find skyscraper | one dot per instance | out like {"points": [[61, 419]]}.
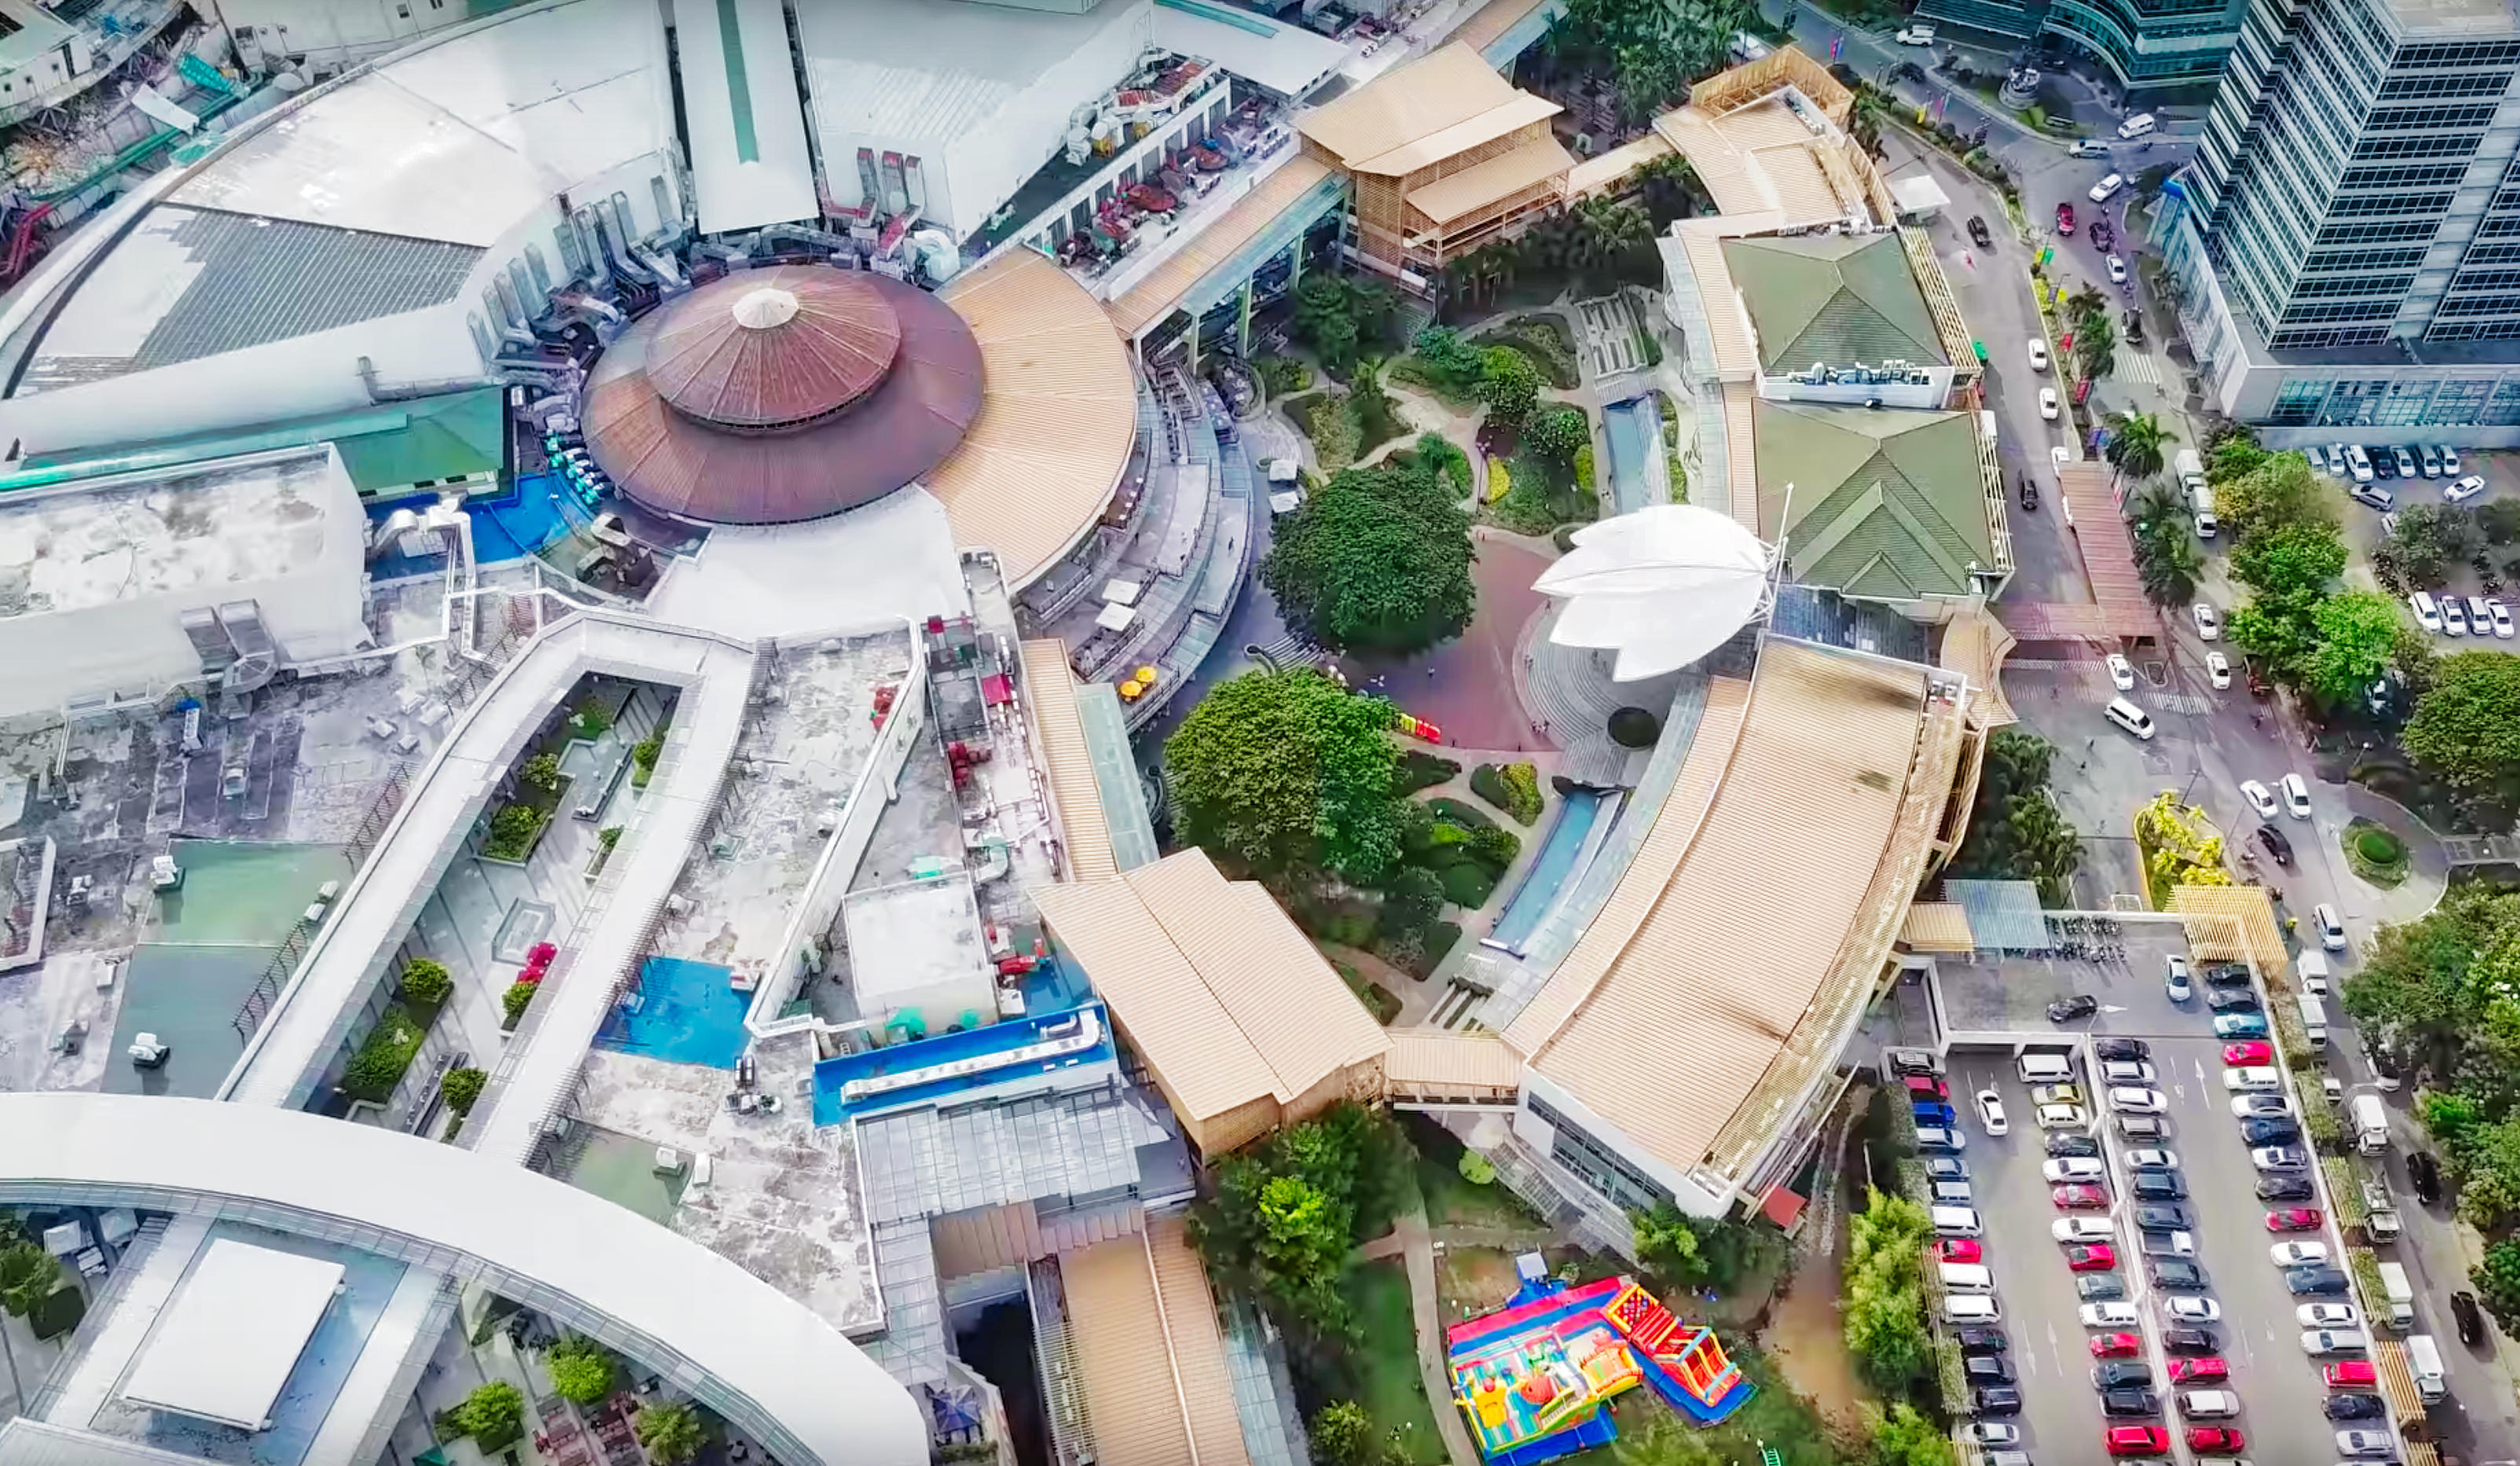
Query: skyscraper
{"points": [[2347, 243]]}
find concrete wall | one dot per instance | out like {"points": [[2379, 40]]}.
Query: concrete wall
{"points": [[330, 32], [1686, 1192]]}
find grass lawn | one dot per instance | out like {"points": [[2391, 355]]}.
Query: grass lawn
{"points": [[1385, 1359], [1650, 1433], [1452, 1201], [1377, 999]]}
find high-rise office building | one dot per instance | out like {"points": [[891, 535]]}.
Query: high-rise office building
{"points": [[2154, 49], [2347, 243]]}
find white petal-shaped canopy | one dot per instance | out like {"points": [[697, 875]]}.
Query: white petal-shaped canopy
{"points": [[1662, 587]]}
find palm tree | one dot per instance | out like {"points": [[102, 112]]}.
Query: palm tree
{"points": [[2165, 551], [2135, 443], [2095, 345], [1864, 124], [2085, 303]]}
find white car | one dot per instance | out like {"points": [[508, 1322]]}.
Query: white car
{"points": [[2062, 1117], [2121, 673], [2192, 1309], [2217, 670], [2463, 489], [2037, 355], [2135, 1101], [2329, 1316], [2117, 270], [2179, 989], [2259, 798], [2317, 1342], [2110, 1316], [2047, 403], [2296, 796], [2331, 927], [2295, 1254], [1988, 1433], [2151, 1158], [2101, 190], [2252, 1079], [2450, 460], [1989, 1111], [2454, 616], [2072, 1169], [2209, 622], [2083, 1229], [2260, 1105], [2132, 1070], [1914, 35], [2501, 616], [2427, 613], [2358, 462], [2139, 124]]}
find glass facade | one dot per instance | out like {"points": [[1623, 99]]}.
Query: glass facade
{"points": [[1602, 1168], [2326, 400]]}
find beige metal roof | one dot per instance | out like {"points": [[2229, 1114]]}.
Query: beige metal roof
{"points": [[1734, 953], [1289, 1003], [1760, 158], [1436, 1061], [1740, 453], [1142, 1328], [1937, 927], [1728, 324], [1491, 20], [1605, 170], [1974, 645], [1049, 688], [1059, 412], [1502, 176], [1153, 298], [2233, 924], [1441, 104], [1206, 1066], [1642, 885]]}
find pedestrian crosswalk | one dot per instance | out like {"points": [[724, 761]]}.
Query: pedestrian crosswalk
{"points": [[2137, 367]]}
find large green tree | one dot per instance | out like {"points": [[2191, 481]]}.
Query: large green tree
{"points": [[671, 1431], [1882, 1293], [1376, 562], [2356, 635], [1509, 384], [2281, 490], [2466, 728], [2015, 831], [1285, 1215], [1905, 1436], [2289, 559], [1287, 775], [28, 1275]]}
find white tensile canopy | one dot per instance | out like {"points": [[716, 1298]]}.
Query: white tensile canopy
{"points": [[1662, 588]]}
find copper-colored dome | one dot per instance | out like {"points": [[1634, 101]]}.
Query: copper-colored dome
{"points": [[781, 395], [768, 348]]}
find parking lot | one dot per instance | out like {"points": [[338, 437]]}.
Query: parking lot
{"points": [[2280, 1388]]}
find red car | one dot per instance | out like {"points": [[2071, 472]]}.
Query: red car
{"points": [[2120, 1347], [2220, 1437], [2065, 218], [1926, 1086], [2196, 1371], [2138, 1440], [2072, 1197], [2346, 1373], [2093, 1258], [1960, 1250], [2294, 1220], [2251, 1052]]}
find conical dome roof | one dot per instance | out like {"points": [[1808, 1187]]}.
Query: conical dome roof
{"points": [[774, 348]]}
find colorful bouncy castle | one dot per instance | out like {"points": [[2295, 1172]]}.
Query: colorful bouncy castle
{"points": [[1534, 1378]]}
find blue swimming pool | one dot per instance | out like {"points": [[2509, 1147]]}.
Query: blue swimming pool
{"points": [[687, 1013], [507, 528], [1546, 875], [1636, 434], [1062, 1036]]}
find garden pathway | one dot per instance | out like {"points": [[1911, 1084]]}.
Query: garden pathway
{"points": [[1410, 1238], [1415, 997]]}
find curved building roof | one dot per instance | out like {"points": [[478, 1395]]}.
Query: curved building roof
{"points": [[744, 1347], [783, 394], [1058, 414]]}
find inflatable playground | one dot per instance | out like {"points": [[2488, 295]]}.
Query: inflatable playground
{"points": [[1535, 1378]]}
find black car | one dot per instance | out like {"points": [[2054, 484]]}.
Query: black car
{"points": [[1913, 1061], [2425, 1172], [2157, 1186], [2471, 1323], [2354, 1408], [2275, 843], [2176, 1273], [2098, 1287], [2065, 1144], [2141, 1127], [2270, 1129], [2129, 1402], [2122, 1374], [2162, 1220], [1988, 1369], [2226, 975], [2313, 1281], [2285, 1189], [1996, 1400], [1983, 1342], [2232, 1000], [2133, 332], [2067, 1009], [2190, 1342], [2122, 1048], [1978, 232]]}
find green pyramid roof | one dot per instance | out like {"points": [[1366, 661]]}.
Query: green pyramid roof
{"points": [[1834, 299], [1885, 504]]}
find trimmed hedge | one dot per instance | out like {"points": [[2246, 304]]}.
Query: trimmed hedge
{"points": [[1513, 788], [1418, 770], [1467, 816], [1440, 939], [519, 996], [382, 1059], [58, 1314], [1468, 885]]}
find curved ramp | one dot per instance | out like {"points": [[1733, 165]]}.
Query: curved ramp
{"points": [[747, 1350]]}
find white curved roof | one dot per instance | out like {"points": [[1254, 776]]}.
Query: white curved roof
{"points": [[672, 1303], [1662, 587]]}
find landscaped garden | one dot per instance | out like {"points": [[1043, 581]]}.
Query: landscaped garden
{"points": [[378, 1068], [2375, 854], [518, 825]]}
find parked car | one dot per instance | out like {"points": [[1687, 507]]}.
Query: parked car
{"points": [[2175, 983], [2199, 1371], [2295, 1254], [2405, 460], [1933, 1115], [2121, 1048], [2287, 1188], [2099, 1286], [2126, 1071], [2255, 1077], [2312, 1282], [1959, 1249], [2261, 1104], [2073, 1169], [2231, 1000], [2061, 1117], [2084, 1229], [2066, 1143], [2327, 1316], [2047, 403], [2141, 1127], [1933, 1138], [1996, 1400], [2124, 1403], [2500, 617], [2138, 1440], [2295, 1219], [2117, 270], [2239, 1026], [2175, 1273], [2279, 1158], [1988, 1433], [2157, 1186], [2371, 497], [1926, 1086], [1987, 1369], [2116, 1346], [2353, 1407], [2068, 1009], [2078, 1197], [2192, 1309], [2186, 1340], [2253, 1052], [2110, 1315], [2098, 1257], [1946, 1168], [2217, 1439], [2345, 1373], [2463, 489], [1912, 1060], [2162, 1217], [2270, 1129], [2365, 1443], [2137, 1100], [2151, 1158], [2122, 1374]]}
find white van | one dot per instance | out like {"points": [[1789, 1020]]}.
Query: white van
{"points": [[2313, 1021], [2046, 1069], [1966, 1277], [1973, 1308], [2139, 124], [2203, 498], [2427, 611], [2331, 927], [2128, 717], [1954, 1222], [2312, 966]]}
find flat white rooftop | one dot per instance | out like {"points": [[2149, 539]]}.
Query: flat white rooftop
{"points": [[913, 937], [225, 1346], [139, 535]]}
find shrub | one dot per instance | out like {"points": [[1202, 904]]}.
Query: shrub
{"points": [[59, 1312], [1414, 899], [1468, 885], [425, 981], [581, 1369], [493, 1415], [1635, 728], [1454, 812], [1332, 426], [1418, 771], [460, 1089], [1513, 788], [1439, 939], [1475, 1169], [1584, 468], [1283, 374], [1494, 848], [513, 831], [644, 757], [381, 1061], [2379, 847], [540, 772], [591, 720], [518, 998], [671, 1433], [608, 837]]}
